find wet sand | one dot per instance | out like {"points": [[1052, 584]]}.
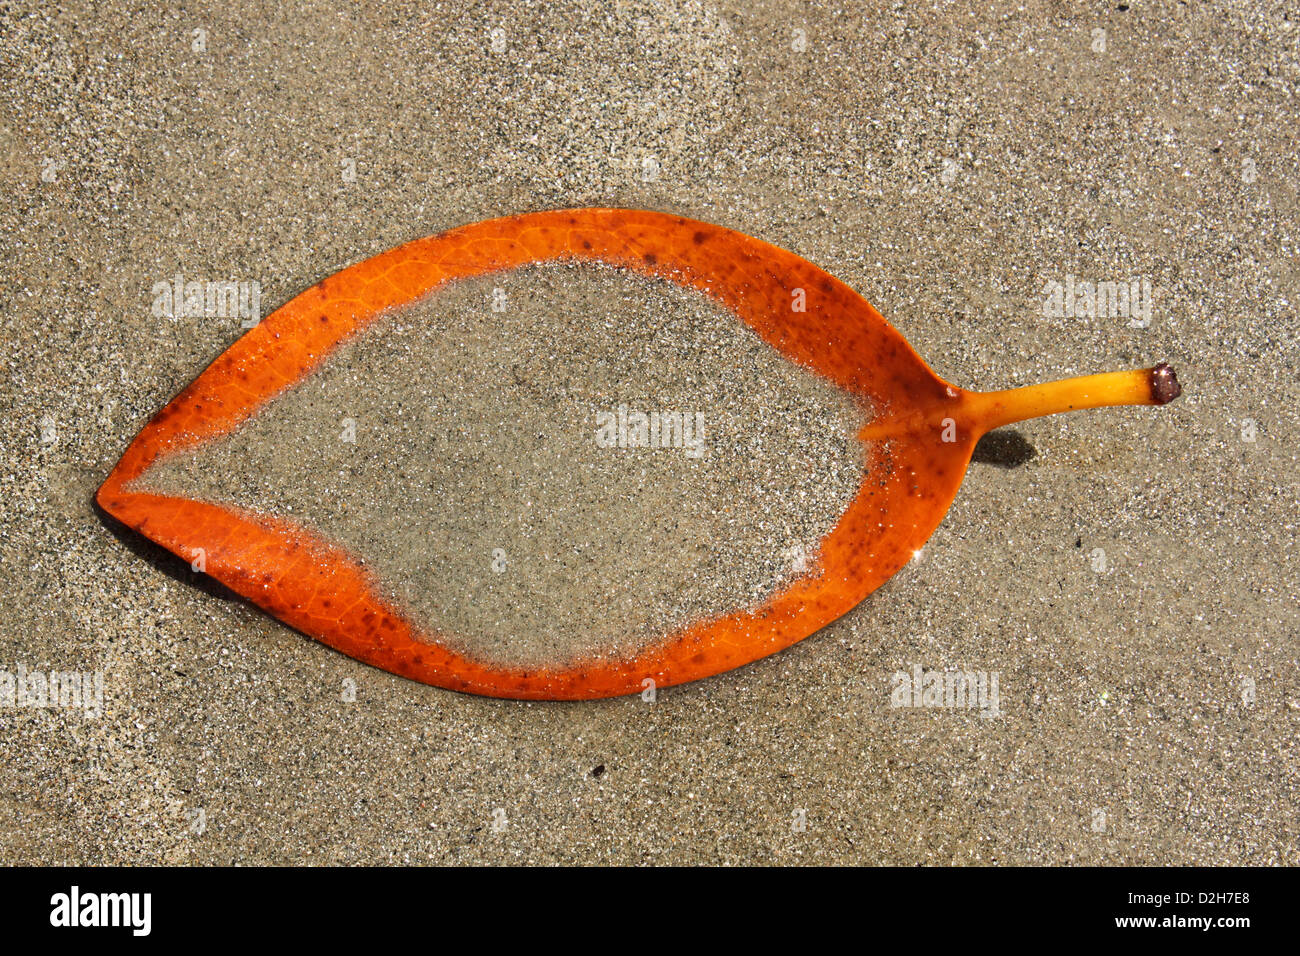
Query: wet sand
{"points": [[552, 465]]}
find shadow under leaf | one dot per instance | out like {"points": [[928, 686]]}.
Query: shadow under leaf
{"points": [[161, 559], [1005, 448]]}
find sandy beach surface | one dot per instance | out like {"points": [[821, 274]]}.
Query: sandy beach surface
{"points": [[1128, 576]]}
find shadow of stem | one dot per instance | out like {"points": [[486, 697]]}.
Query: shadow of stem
{"points": [[1004, 448]]}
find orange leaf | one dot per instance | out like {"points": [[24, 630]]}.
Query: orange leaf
{"points": [[918, 446]]}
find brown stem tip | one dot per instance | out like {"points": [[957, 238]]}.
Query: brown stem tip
{"points": [[1164, 384]]}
